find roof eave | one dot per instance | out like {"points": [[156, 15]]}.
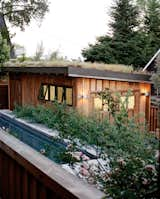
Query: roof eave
{"points": [[108, 75]]}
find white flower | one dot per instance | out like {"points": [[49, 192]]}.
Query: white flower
{"points": [[150, 167]]}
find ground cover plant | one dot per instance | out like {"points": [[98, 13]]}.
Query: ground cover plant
{"points": [[132, 151]]}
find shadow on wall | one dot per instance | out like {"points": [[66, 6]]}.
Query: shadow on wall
{"points": [[3, 96]]}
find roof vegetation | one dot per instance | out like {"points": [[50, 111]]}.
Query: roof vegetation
{"points": [[62, 63]]}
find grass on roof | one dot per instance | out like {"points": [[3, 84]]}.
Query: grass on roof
{"points": [[62, 63]]}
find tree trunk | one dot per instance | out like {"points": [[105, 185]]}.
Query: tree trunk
{"points": [[5, 34]]}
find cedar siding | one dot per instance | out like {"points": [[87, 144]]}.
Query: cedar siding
{"points": [[25, 83]]}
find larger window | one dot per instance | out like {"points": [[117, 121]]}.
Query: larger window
{"points": [[60, 93], [128, 102]]}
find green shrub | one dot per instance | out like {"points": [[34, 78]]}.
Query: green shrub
{"points": [[68, 121], [128, 145]]}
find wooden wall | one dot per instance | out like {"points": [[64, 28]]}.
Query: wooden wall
{"points": [[3, 96], [24, 89], [85, 87], [3, 92]]}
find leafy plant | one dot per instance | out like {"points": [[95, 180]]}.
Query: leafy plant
{"points": [[127, 144], [4, 51]]}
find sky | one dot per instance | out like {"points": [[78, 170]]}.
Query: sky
{"points": [[68, 27]]}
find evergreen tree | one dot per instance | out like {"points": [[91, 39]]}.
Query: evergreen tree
{"points": [[135, 37], [152, 25], [156, 77], [121, 46], [102, 51], [124, 15]]}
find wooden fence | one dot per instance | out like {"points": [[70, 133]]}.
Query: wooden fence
{"points": [[26, 174], [154, 123]]}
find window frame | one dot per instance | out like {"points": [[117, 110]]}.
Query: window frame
{"points": [[122, 93], [127, 105], [42, 98]]}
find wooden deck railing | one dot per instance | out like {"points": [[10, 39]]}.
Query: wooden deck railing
{"points": [[26, 174]]}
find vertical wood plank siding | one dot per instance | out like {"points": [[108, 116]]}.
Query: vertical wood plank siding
{"points": [[86, 104], [24, 89], [153, 124]]}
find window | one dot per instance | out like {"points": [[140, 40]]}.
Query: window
{"points": [[52, 93], [130, 103], [98, 104], [45, 92], [60, 93], [69, 96]]}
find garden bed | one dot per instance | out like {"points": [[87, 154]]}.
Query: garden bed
{"points": [[129, 153]]}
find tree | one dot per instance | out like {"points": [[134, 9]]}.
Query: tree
{"points": [[20, 13], [39, 52], [4, 51], [156, 80], [151, 24], [102, 51], [125, 19], [121, 46], [135, 35]]}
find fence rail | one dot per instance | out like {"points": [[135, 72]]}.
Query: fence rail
{"points": [[26, 174], [154, 123]]}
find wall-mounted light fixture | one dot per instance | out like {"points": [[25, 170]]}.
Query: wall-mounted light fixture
{"points": [[145, 94], [83, 96]]}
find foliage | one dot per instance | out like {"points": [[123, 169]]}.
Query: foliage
{"points": [[66, 63], [39, 52], [55, 55], [4, 51], [124, 15], [20, 13], [132, 178], [128, 145], [135, 37], [68, 121], [131, 151]]}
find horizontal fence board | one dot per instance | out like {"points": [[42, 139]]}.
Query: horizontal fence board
{"points": [[26, 174]]}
